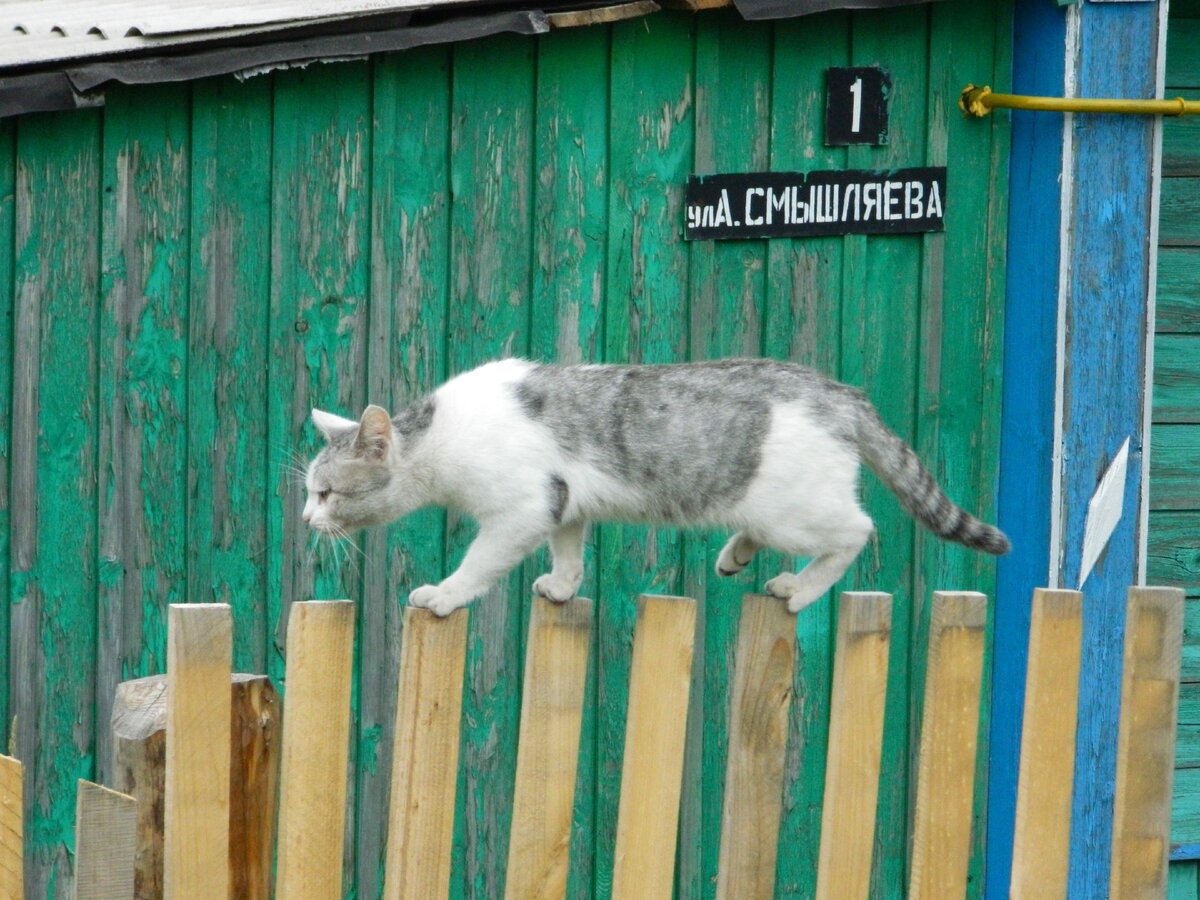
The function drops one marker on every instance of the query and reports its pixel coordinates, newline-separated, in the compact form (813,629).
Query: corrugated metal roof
(60,54)
(45,31)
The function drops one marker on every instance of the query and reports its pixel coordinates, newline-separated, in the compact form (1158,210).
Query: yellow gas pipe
(979,101)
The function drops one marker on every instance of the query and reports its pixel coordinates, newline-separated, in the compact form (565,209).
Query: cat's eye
(324,495)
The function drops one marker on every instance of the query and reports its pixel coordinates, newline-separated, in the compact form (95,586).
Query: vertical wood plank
(556,664)
(802,322)
(196,806)
(1028,439)
(410,261)
(568,301)
(1102,403)
(316,742)
(949,728)
(12,830)
(491,245)
(1146,742)
(1043,820)
(8,188)
(881,352)
(425,757)
(645,320)
(860,683)
(652,764)
(726,297)
(228,309)
(105,843)
(320,230)
(143,384)
(53,633)
(318,314)
(760,701)
(571,207)
(962,328)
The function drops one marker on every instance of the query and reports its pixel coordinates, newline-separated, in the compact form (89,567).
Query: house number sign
(856,106)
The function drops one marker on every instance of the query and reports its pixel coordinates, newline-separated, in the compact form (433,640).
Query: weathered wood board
(556,665)
(760,701)
(316,739)
(425,757)
(105,843)
(856,735)
(1043,819)
(1146,742)
(57,594)
(655,736)
(196,795)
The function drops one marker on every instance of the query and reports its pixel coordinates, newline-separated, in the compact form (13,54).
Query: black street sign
(797,204)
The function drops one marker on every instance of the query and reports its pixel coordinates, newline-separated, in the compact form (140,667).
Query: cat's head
(347,481)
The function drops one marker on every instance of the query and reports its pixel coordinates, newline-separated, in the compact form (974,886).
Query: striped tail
(899,468)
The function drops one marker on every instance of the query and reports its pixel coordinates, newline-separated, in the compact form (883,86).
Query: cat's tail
(899,468)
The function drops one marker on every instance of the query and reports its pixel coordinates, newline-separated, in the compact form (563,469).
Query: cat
(535,452)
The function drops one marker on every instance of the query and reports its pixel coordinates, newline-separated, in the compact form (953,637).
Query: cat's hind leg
(737,553)
(562,582)
(802,588)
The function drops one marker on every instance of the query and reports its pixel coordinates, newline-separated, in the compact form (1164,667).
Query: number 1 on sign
(856,100)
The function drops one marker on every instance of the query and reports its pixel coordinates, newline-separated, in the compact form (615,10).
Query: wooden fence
(219,813)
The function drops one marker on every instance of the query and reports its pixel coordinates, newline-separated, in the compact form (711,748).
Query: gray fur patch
(532,401)
(416,419)
(689,435)
(559,496)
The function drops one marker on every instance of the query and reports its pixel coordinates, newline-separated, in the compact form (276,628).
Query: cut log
(139,768)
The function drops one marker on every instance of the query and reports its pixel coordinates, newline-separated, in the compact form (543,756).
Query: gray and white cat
(534,452)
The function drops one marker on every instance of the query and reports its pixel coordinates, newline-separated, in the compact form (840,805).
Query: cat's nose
(306,515)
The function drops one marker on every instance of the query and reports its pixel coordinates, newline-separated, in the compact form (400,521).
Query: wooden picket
(1043,828)
(425,762)
(316,736)
(860,669)
(105,843)
(12,842)
(758,724)
(425,758)
(1146,742)
(196,832)
(946,759)
(660,679)
(556,664)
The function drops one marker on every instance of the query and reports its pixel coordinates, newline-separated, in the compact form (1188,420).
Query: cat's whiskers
(293,464)
(332,547)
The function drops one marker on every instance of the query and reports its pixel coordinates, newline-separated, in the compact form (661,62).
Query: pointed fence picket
(425,765)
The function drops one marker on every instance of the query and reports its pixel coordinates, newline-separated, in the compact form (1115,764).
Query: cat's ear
(374,433)
(330,425)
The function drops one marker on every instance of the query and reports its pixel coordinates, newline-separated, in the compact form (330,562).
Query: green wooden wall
(185,272)
(1174,538)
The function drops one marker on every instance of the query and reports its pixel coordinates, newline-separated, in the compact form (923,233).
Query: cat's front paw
(555,588)
(437,600)
(790,587)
